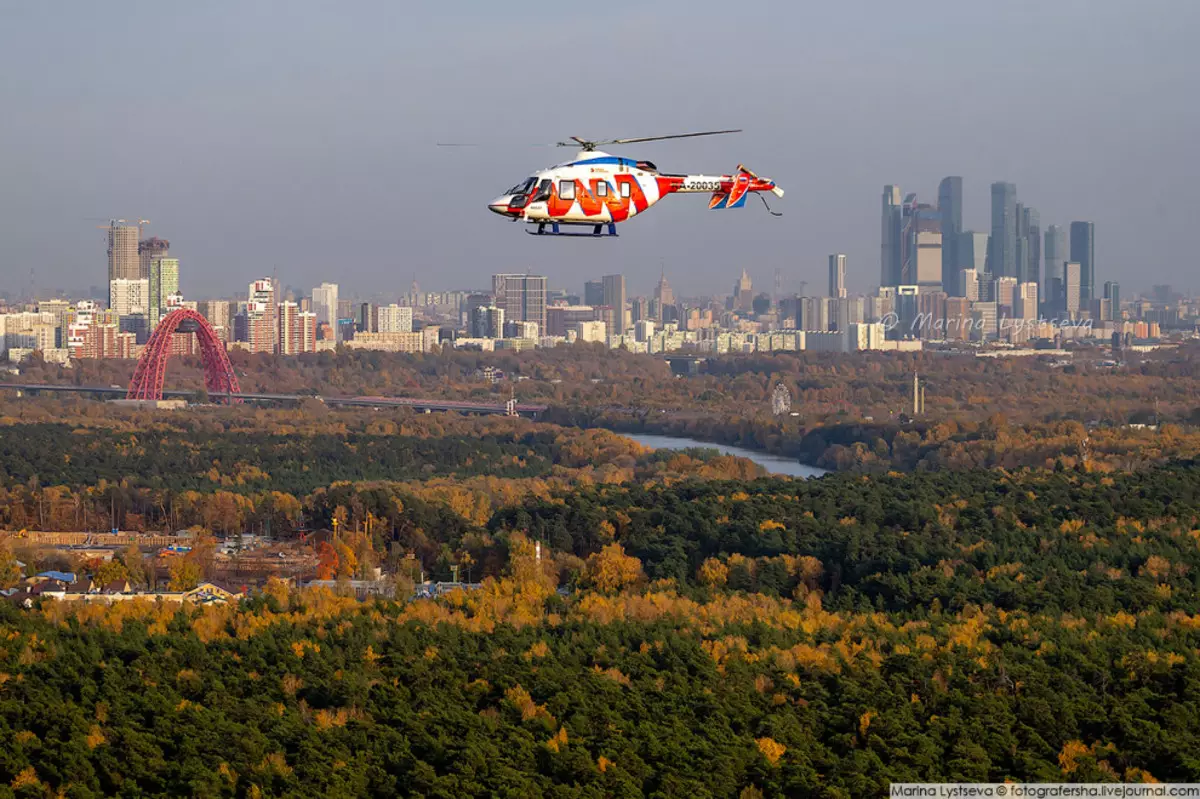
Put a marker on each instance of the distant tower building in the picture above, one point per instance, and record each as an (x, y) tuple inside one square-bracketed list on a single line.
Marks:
[(837, 276), (614, 296), (1031, 228), (921, 245), (1055, 253), (593, 293), (743, 292), (916, 395), (1071, 289), (971, 251), (1083, 251), (663, 295), (1112, 293), (893, 222), (122, 253), (164, 281), (1004, 230), (523, 298), (950, 194), (325, 304)]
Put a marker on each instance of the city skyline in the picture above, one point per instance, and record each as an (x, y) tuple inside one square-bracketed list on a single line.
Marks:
[(302, 183)]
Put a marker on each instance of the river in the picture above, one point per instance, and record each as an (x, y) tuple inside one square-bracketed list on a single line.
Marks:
[(775, 464)]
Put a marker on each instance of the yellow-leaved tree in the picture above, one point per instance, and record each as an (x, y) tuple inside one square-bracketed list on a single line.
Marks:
[(611, 570)]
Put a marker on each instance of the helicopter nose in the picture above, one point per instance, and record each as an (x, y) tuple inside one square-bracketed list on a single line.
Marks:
[(500, 205)]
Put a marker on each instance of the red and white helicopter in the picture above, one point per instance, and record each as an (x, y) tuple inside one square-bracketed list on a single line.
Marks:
[(599, 190)]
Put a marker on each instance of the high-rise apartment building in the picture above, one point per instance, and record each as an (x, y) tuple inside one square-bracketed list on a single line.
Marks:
[(164, 281), (893, 224), (1003, 260), (297, 329), (129, 297), (950, 203), (523, 298), (123, 252), (1083, 250), (325, 304), (261, 328), (837, 276), (217, 314), (614, 296), (148, 250), (394, 319)]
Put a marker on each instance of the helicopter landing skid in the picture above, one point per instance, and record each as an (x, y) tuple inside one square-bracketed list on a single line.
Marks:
[(555, 230)]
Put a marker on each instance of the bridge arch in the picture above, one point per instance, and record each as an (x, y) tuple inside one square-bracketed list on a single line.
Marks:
[(147, 383)]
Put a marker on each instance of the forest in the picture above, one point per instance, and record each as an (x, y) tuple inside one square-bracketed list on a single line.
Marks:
[(1005, 588), (752, 638)]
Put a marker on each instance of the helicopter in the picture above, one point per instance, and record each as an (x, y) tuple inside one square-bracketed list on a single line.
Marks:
[(598, 190)]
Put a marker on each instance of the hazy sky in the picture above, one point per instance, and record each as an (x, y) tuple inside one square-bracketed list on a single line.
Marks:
[(300, 136)]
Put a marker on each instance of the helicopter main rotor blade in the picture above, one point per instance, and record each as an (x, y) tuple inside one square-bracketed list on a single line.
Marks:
[(674, 136)]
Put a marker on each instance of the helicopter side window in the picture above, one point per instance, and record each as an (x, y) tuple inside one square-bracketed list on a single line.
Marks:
[(625, 189), (601, 188), (566, 189), (543, 191)]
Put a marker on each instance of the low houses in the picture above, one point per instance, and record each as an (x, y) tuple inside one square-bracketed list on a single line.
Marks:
[(206, 593)]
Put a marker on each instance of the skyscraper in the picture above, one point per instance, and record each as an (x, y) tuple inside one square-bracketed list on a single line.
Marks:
[(1055, 254), (164, 281), (522, 298), (1112, 293), (950, 207), (1003, 255), (921, 245), (1083, 250), (837, 276), (614, 296), (122, 254), (972, 253), (593, 293), (743, 292), (1071, 285), (663, 293), (1031, 228), (893, 222)]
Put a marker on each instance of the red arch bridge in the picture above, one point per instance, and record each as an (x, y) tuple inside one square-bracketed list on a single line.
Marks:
[(147, 383)]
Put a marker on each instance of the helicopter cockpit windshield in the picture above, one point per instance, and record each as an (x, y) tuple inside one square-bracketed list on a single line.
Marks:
[(523, 188)]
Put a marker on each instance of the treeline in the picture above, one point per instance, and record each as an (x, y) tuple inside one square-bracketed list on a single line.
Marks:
[(268, 471), (826, 388)]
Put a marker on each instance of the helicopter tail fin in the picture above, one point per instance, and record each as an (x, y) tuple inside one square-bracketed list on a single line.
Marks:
[(743, 183)]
